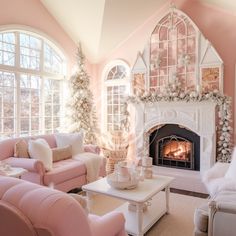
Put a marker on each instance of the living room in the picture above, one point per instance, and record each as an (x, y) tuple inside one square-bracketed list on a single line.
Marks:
[(117, 117)]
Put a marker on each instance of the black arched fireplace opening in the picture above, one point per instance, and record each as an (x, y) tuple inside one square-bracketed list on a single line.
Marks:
[(175, 146)]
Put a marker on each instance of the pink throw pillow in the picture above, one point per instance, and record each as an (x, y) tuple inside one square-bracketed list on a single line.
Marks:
[(62, 153)]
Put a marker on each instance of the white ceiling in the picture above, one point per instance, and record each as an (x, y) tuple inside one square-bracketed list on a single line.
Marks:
[(101, 25)]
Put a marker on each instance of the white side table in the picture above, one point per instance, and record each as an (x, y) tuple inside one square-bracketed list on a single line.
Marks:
[(16, 172)]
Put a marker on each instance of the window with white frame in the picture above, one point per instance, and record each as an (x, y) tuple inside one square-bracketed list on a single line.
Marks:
[(116, 91), (31, 72)]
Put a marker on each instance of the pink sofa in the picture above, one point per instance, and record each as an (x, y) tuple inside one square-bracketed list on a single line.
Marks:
[(65, 175), (27, 209)]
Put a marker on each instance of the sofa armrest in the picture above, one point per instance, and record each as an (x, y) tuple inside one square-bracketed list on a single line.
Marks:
[(226, 213), (31, 165), (112, 223), (217, 171), (92, 148)]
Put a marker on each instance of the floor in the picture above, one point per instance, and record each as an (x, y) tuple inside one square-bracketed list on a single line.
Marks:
[(189, 193)]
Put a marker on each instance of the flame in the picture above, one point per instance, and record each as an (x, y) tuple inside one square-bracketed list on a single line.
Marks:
[(177, 150)]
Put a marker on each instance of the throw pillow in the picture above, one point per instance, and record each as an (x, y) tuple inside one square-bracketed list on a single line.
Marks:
[(231, 172), (63, 153), (21, 149), (73, 139), (40, 150)]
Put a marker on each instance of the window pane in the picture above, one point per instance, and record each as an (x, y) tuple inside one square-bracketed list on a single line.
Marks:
[(48, 123), (35, 109), (7, 104), (30, 49), (24, 124), (56, 110), (52, 61), (8, 110), (52, 110), (56, 123), (31, 102), (24, 109), (35, 124), (7, 49), (48, 110), (117, 72), (8, 125)]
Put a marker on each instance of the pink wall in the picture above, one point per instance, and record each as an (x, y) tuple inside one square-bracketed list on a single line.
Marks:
[(32, 13), (215, 24)]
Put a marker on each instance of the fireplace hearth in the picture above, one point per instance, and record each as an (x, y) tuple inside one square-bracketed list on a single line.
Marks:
[(175, 146)]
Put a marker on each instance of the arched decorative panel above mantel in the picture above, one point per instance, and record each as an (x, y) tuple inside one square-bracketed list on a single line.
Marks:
[(177, 52)]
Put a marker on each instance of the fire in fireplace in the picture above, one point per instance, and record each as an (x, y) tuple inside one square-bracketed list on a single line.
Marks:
[(175, 146), (175, 151)]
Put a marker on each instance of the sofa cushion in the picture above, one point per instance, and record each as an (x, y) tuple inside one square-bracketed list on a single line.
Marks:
[(63, 171), (73, 139), (62, 153), (21, 149), (40, 150), (225, 196), (201, 218)]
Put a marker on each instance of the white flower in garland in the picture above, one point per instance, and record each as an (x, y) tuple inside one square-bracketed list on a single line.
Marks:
[(173, 92)]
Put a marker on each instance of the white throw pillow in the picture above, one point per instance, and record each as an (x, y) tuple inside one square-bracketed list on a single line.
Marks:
[(231, 172), (73, 139), (40, 150)]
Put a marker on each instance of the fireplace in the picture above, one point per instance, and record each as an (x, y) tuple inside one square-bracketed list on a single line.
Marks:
[(197, 117), (175, 146)]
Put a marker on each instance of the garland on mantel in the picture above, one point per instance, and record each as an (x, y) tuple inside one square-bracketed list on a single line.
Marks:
[(174, 93)]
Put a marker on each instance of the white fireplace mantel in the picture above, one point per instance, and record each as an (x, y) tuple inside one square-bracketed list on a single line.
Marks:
[(199, 117)]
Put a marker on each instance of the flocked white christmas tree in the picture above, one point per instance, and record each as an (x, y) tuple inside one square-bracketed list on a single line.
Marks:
[(81, 109)]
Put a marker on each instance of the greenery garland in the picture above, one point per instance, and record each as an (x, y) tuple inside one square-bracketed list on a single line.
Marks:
[(173, 93)]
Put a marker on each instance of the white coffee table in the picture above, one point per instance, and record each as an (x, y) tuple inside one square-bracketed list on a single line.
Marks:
[(139, 222)]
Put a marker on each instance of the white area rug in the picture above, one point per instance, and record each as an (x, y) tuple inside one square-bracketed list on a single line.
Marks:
[(178, 223)]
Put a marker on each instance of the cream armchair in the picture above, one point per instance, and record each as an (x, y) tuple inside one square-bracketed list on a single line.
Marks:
[(221, 177), (218, 217), (215, 181)]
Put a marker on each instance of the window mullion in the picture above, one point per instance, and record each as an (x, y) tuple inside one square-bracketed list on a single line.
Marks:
[(42, 106), (17, 55), (18, 107), (17, 78)]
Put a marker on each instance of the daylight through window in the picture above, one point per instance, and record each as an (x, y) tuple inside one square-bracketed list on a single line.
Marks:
[(31, 73)]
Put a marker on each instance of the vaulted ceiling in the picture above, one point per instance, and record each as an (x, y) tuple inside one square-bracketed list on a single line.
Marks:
[(102, 25)]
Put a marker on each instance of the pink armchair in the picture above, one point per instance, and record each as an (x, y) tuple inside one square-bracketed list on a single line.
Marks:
[(28, 209)]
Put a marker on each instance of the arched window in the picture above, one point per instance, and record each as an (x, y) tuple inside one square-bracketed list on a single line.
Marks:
[(31, 71), (117, 86), (173, 51)]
